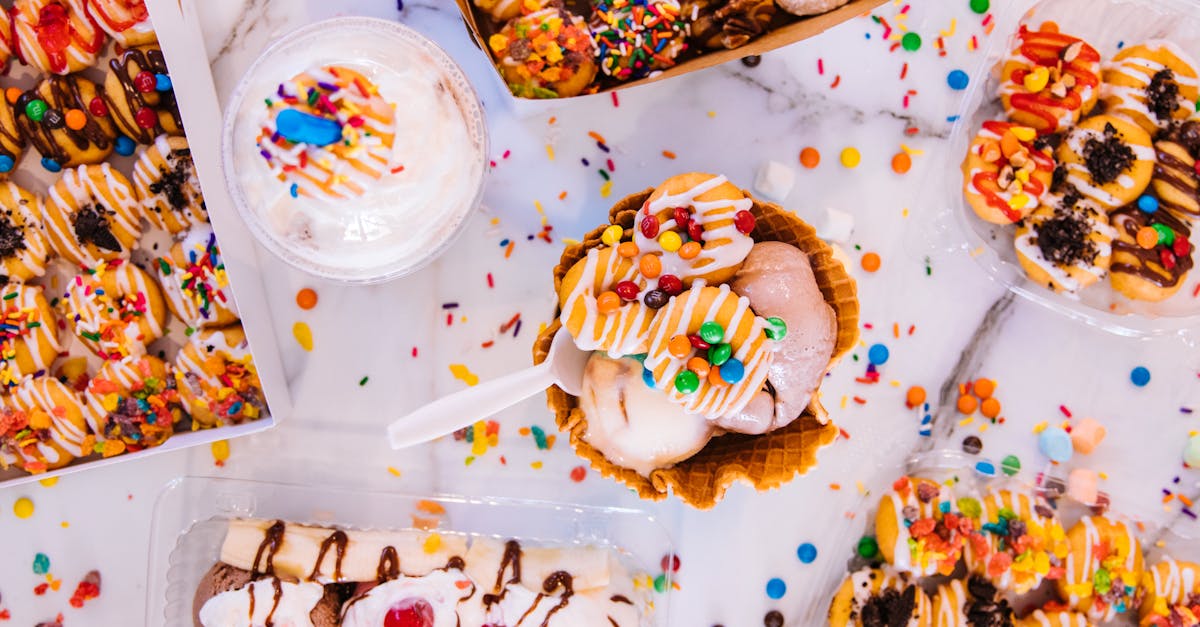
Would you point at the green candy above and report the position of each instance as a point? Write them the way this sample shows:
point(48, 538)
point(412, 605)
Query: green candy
point(1166, 235)
point(1010, 465)
point(868, 548)
point(718, 354)
point(36, 109)
point(660, 583)
point(970, 507)
point(776, 328)
point(980, 6)
point(686, 382)
point(712, 332)
point(911, 41)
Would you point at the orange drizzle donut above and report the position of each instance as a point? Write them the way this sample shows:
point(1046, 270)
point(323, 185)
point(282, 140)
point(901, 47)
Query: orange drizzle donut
point(42, 426)
point(115, 309)
point(164, 178)
point(620, 331)
point(28, 334)
point(1103, 568)
point(66, 132)
point(1006, 172)
point(55, 36)
point(1049, 79)
point(217, 378)
point(91, 215)
point(193, 277)
point(1109, 160)
point(131, 404)
point(126, 21)
point(23, 248)
point(1153, 83)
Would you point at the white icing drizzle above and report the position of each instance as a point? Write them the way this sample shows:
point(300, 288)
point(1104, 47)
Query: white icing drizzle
point(1142, 70)
point(33, 254)
point(1026, 245)
point(1077, 575)
point(149, 168)
point(1059, 619)
point(188, 307)
point(950, 600)
point(1176, 584)
point(25, 23)
point(92, 311)
point(82, 189)
point(618, 333)
point(41, 343)
point(39, 393)
point(902, 558)
point(1081, 178)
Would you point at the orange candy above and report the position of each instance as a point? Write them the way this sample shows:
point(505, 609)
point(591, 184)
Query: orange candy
point(1009, 144)
point(915, 396)
point(714, 377)
point(12, 95)
point(650, 265)
point(679, 346)
point(1147, 237)
point(871, 262)
point(990, 407)
point(984, 388)
point(76, 119)
point(627, 249)
point(306, 299)
point(967, 404)
point(901, 163)
point(689, 250)
point(810, 158)
point(699, 366)
point(608, 302)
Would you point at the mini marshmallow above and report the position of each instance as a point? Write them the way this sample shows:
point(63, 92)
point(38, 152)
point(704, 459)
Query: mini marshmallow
point(1054, 443)
point(775, 180)
point(1083, 486)
point(1191, 455)
point(835, 226)
point(1086, 435)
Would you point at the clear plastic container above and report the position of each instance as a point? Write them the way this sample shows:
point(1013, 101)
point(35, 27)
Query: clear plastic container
point(192, 514)
point(404, 218)
point(1106, 25)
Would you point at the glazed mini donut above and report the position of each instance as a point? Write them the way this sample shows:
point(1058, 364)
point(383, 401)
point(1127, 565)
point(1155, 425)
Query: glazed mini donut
point(138, 95)
point(42, 425)
point(501, 10)
point(871, 596)
point(115, 309)
point(1153, 268)
point(545, 54)
point(1049, 79)
point(55, 36)
point(619, 328)
point(1024, 542)
point(12, 138)
point(1065, 248)
point(57, 119)
point(973, 603)
point(344, 169)
point(217, 379)
point(23, 247)
point(1006, 172)
point(6, 44)
point(695, 378)
point(1054, 618)
point(1176, 180)
point(1108, 159)
point(131, 404)
point(165, 180)
point(194, 279)
point(910, 524)
point(1103, 568)
point(126, 21)
point(637, 39)
point(91, 215)
point(1153, 83)
point(1166, 589)
point(29, 337)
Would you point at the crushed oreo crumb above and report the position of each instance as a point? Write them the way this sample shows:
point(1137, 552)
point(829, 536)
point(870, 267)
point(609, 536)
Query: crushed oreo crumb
point(890, 608)
point(1058, 178)
point(92, 227)
point(1049, 140)
point(1162, 95)
point(983, 610)
point(1106, 159)
point(173, 184)
point(11, 237)
point(1063, 239)
point(1188, 136)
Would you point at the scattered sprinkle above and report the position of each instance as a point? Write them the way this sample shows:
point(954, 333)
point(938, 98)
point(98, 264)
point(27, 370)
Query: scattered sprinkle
point(462, 373)
point(23, 508)
point(303, 335)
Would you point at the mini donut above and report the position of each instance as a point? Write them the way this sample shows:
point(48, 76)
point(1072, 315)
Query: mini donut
point(29, 337)
point(1108, 159)
point(217, 378)
point(1168, 589)
point(57, 118)
point(910, 524)
point(1176, 180)
point(1103, 568)
point(1024, 542)
point(6, 44)
point(709, 389)
point(1153, 83)
point(546, 54)
point(12, 138)
point(1054, 618)
point(1066, 248)
point(1006, 171)
point(728, 24)
point(870, 597)
point(23, 247)
point(1154, 271)
point(620, 332)
point(502, 10)
point(132, 404)
point(194, 279)
point(42, 425)
point(139, 97)
point(1049, 79)
point(809, 7)
point(973, 603)
point(164, 178)
point(636, 38)
point(91, 215)
point(55, 36)
point(115, 309)
point(126, 21)
point(340, 170)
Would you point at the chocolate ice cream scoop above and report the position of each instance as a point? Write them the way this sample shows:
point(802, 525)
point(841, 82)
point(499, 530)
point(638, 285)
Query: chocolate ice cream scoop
point(229, 597)
point(779, 281)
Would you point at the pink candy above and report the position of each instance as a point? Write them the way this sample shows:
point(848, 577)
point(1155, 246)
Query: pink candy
point(1087, 434)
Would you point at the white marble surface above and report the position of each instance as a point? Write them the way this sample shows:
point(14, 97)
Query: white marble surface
point(727, 119)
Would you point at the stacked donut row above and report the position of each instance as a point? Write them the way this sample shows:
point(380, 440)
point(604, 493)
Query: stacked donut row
point(981, 553)
point(1095, 163)
point(66, 255)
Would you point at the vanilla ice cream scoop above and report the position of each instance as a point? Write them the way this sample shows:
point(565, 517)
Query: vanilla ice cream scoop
point(779, 281)
point(432, 598)
point(284, 603)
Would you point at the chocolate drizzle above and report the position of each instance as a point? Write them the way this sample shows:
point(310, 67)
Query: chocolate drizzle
point(339, 539)
point(269, 546)
point(50, 135)
point(125, 68)
point(558, 580)
point(1108, 158)
point(1147, 263)
point(455, 563)
point(511, 559)
point(92, 227)
point(1162, 95)
point(389, 565)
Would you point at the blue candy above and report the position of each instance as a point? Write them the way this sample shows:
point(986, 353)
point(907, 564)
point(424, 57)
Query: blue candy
point(957, 80)
point(648, 377)
point(162, 82)
point(6, 163)
point(732, 371)
point(1147, 203)
point(51, 165)
point(807, 552)
point(878, 354)
point(984, 467)
point(776, 588)
point(303, 128)
point(1140, 376)
point(1055, 443)
point(124, 146)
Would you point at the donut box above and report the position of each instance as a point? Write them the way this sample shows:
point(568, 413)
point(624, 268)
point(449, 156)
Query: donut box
point(1066, 235)
point(782, 29)
point(103, 327)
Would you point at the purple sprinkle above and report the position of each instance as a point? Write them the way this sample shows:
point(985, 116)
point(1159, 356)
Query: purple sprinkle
point(279, 92)
point(1176, 479)
point(602, 146)
point(1189, 513)
point(1166, 492)
point(266, 155)
point(327, 86)
point(517, 329)
point(399, 5)
point(585, 163)
point(1186, 410)
point(449, 305)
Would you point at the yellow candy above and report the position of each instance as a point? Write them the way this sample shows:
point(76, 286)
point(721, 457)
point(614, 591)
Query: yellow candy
point(1018, 201)
point(1037, 80)
point(220, 450)
point(23, 508)
point(464, 374)
point(612, 235)
point(497, 42)
point(670, 241)
point(433, 543)
point(48, 482)
point(303, 336)
point(851, 157)
point(1024, 133)
point(1022, 175)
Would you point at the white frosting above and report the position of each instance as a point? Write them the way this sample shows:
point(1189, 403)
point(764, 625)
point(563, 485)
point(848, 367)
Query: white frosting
point(1025, 244)
point(81, 188)
point(1176, 583)
point(37, 393)
point(232, 608)
point(1079, 176)
point(949, 602)
point(1141, 71)
point(441, 589)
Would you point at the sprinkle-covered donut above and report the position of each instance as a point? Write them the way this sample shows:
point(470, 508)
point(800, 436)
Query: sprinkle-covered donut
point(91, 215)
point(1153, 83)
point(58, 118)
point(115, 309)
point(126, 21)
point(1006, 171)
point(139, 96)
point(545, 54)
point(635, 38)
point(1049, 79)
point(919, 527)
point(24, 250)
point(217, 378)
point(29, 336)
point(131, 404)
point(165, 180)
point(1024, 542)
point(1109, 160)
point(194, 279)
point(42, 426)
point(1103, 568)
point(55, 36)
point(1065, 247)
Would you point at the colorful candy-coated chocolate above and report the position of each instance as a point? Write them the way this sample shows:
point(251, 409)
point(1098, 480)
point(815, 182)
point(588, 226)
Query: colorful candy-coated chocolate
point(6, 163)
point(687, 382)
point(712, 332)
point(1055, 444)
point(689, 250)
point(670, 284)
point(627, 290)
point(51, 165)
point(699, 366)
point(1140, 376)
point(1011, 465)
point(608, 302)
point(670, 241)
point(650, 266)
point(915, 396)
point(304, 128)
point(695, 231)
point(867, 548)
point(679, 346)
point(612, 235)
point(76, 119)
point(36, 109)
point(682, 215)
point(628, 249)
point(718, 354)
point(698, 343)
point(807, 552)
point(776, 328)
point(1087, 434)
point(124, 146)
point(733, 371)
point(162, 82)
point(878, 354)
point(649, 227)
point(1165, 234)
point(1147, 203)
point(144, 82)
point(714, 378)
point(146, 117)
point(53, 119)
point(655, 299)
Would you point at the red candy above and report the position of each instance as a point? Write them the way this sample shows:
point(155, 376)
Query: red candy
point(144, 82)
point(681, 216)
point(670, 562)
point(146, 118)
point(97, 107)
point(744, 222)
point(627, 290)
point(1167, 258)
point(698, 343)
point(410, 612)
point(650, 226)
point(695, 231)
point(670, 284)
point(1181, 247)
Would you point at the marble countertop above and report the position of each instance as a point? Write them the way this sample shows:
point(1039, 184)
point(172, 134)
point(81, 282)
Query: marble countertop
point(379, 351)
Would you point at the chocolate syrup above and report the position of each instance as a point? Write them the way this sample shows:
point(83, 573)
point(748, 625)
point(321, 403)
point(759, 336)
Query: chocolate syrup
point(126, 68)
point(270, 544)
point(389, 565)
point(339, 539)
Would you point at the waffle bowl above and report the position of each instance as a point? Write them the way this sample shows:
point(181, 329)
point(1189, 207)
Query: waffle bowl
point(764, 461)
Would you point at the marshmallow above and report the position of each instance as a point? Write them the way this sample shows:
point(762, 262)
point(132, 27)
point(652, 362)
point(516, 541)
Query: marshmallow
point(835, 226)
point(1191, 455)
point(1055, 444)
point(1086, 435)
point(1082, 486)
point(775, 180)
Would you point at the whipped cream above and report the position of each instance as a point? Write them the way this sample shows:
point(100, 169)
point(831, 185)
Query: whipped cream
point(434, 596)
point(286, 604)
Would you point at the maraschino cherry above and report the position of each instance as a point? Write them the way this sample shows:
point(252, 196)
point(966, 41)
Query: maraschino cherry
point(410, 612)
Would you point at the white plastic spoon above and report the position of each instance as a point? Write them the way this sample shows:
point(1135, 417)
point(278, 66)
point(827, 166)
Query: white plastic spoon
point(563, 367)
